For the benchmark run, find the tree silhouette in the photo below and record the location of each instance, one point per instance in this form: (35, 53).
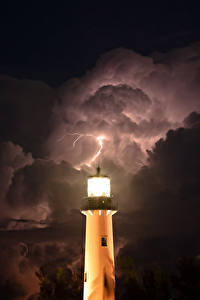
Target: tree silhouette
(61, 285)
(136, 283)
(156, 284)
(186, 282)
(131, 283)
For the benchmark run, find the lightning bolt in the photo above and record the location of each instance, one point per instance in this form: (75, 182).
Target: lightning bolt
(100, 142)
(79, 136)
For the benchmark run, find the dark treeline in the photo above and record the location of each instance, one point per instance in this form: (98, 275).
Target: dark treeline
(131, 283)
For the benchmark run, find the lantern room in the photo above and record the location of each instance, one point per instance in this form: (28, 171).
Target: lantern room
(98, 194)
(99, 186)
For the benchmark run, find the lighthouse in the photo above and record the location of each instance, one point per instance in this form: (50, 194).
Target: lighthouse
(99, 207)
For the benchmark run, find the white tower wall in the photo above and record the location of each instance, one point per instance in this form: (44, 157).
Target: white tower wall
(99, 276)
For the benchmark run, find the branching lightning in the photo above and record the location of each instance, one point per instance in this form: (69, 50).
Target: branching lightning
(79, 136)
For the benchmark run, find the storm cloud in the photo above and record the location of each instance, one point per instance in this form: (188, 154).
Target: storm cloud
(129, 99)
(165, 198)
(135, 103)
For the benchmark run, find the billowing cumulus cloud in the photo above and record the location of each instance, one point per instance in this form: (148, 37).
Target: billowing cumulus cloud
(129, 99)
(49, 139)
(165, 198)
(12, 159)
(40, 193)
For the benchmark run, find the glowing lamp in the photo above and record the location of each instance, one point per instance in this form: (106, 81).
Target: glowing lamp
(99, 186)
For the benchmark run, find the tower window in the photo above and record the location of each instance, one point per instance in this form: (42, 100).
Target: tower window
(104, 241)
(85, 277)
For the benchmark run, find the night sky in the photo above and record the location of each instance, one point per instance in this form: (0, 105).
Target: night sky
(72, 75)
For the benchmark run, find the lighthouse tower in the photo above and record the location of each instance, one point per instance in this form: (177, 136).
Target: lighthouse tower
(99, 273)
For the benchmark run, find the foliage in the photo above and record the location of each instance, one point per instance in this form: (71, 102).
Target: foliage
(141, 284)
(61, 285)
(131, 283)
(186, 282)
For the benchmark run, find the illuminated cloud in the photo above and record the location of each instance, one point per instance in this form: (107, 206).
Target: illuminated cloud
(130, 99)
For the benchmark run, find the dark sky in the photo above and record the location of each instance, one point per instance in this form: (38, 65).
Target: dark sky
(72, 75)
(55, 41)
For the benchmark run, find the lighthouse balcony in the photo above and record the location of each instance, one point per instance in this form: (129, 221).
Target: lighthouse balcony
(92, 203)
